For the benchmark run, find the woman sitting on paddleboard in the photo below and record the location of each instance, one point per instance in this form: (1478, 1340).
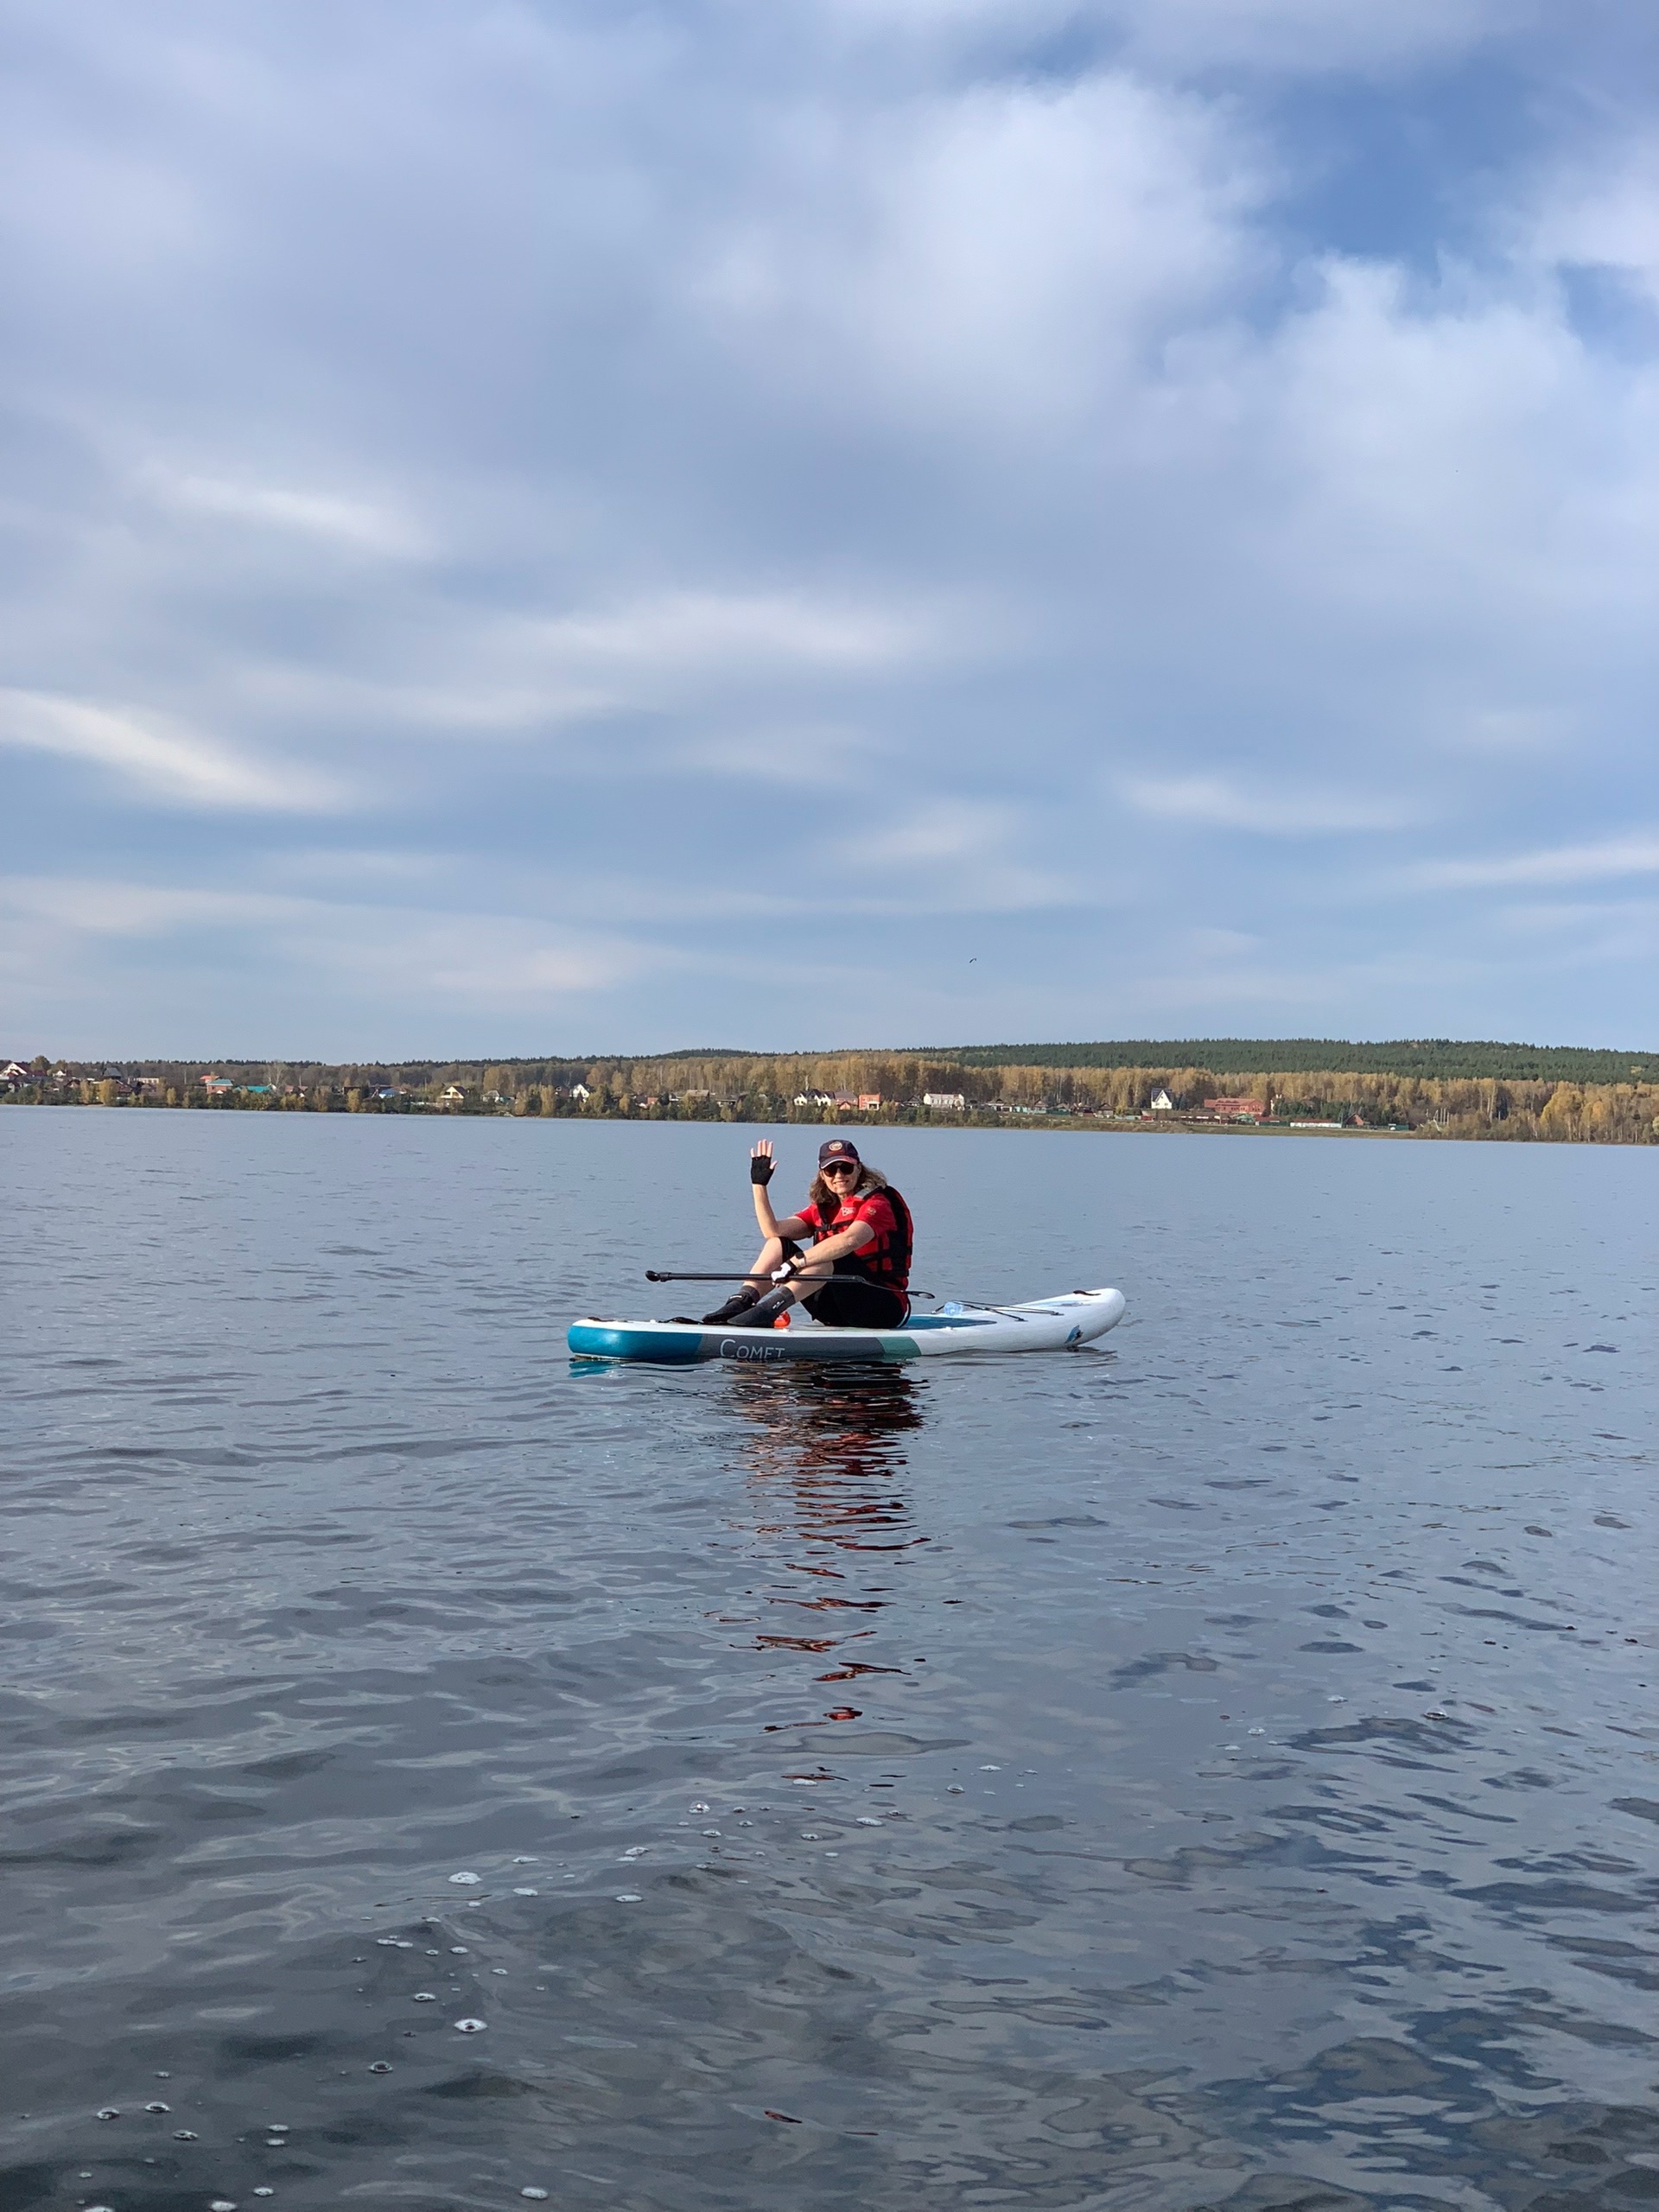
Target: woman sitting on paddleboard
(856, 1223)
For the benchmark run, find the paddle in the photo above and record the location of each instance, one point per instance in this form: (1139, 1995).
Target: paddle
(667, 1275)
(663, 1275)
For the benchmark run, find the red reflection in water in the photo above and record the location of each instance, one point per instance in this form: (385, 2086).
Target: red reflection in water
(831, 1605)
(826, 1452)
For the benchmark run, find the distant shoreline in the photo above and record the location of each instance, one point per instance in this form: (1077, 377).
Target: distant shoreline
(1056, 1123)
(1438, 1059)
(983, 1088)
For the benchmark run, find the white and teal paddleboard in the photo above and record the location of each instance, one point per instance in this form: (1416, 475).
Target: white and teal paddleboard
(1076, 1317)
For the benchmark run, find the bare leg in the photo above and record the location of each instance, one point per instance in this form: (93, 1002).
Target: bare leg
(809, 1276)
(767, 1261)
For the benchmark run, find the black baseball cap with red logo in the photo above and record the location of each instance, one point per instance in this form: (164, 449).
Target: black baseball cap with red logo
(838, 1148)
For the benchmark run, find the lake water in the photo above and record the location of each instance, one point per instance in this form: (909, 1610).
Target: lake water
(1218, 1766)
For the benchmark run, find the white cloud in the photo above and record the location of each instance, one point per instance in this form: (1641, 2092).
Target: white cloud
(1601, 209)
(478, 670)
(1221, 984)
(1425, 440)
(479, 960)
(166, 761)
(1211, 802)
(1219, 943)
(353, 526)
(1004, 255)
(1606, 861)
(1585, 933)
(450, 958)
(331, 866)
(943, 856)
(935, 387)
(1284, 37)
(791, 756)
(947, 833)
(477, 682)
(1511, 729)
(1310, 37)
(734, 633)
(99, 906)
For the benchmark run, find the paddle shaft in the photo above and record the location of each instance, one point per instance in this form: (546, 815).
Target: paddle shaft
(661, 1275)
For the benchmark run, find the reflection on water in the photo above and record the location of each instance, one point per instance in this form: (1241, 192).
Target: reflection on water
(1218, 1772)
(827, 1455)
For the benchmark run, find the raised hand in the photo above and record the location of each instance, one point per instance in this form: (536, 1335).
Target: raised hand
(761, 1162)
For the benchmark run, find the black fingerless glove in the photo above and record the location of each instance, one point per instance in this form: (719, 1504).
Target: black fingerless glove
(760, 1170)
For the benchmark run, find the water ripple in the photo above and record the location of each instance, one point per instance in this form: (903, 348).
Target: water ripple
(1213, 1768)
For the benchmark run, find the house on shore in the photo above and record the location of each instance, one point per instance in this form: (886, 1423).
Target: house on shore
(1237, 1109)
(943, 1101)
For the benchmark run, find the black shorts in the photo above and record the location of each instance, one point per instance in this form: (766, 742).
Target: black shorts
(858, 1305)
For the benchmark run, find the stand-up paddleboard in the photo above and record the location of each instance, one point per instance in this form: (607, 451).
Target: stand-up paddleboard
(1077, 1317)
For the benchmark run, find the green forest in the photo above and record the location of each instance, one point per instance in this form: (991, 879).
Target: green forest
(1435, 1090)
(1443, 1057)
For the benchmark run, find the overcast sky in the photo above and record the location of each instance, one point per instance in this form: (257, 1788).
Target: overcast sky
(540, 526)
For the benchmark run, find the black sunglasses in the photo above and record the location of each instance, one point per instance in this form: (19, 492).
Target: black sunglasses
(839, 1167)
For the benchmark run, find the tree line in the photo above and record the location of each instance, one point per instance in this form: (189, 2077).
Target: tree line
(1444, 1058)
(877, 1088)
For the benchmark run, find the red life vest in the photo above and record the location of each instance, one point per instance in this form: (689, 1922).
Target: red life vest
(886, 1262)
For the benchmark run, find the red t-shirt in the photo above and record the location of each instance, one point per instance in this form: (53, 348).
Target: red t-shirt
(875, 1212)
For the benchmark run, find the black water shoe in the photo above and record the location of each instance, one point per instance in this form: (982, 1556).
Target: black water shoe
(763, 1314)
(739, 1302)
